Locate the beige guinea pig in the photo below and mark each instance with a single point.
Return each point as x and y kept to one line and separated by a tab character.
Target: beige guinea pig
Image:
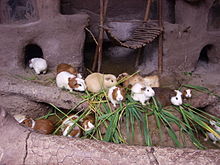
152	81
67	68
95	82
133	80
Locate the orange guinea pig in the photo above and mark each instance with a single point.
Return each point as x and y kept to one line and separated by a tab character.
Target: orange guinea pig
43	126
67	68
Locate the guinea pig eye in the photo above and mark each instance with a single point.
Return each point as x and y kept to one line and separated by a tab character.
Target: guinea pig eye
112	80
80	85
176	98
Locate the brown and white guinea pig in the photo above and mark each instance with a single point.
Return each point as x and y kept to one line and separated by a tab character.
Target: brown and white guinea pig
187	94
116	94
69	129
167	96
39	65
70	82
96	82
88	123
68	68
43	126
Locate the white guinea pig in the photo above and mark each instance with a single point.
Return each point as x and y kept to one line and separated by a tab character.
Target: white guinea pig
216	126
177	100
96	82
141	93
39	65
70	82
116	95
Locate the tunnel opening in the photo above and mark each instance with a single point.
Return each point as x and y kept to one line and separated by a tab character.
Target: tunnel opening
32	51
203	57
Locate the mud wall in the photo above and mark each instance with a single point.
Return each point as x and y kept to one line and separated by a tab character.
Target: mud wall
188	28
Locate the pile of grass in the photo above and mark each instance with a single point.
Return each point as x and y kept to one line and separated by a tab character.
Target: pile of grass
193	122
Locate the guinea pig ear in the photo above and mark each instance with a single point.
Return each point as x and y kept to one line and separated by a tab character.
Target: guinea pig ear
143	89
107	78
72	82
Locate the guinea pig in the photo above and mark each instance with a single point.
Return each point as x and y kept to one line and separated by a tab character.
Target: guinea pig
88	123
68	68
68	129
187	93
70	82
167	96
39	65
216	126
133	80
152	81
141	93
116	95
43	126
96	82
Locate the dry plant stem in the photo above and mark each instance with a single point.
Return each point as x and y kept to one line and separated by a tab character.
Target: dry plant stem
146	17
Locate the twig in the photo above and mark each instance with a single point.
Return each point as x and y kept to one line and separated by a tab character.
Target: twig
93	37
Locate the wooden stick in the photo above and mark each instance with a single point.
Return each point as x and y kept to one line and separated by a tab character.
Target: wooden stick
98	52
160	46
146	17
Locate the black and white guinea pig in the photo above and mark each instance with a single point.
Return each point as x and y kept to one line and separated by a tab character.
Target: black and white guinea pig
167	96
39	65
116	94
70	82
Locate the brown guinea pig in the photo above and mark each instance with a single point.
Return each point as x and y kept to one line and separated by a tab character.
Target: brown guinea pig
67	68
43	126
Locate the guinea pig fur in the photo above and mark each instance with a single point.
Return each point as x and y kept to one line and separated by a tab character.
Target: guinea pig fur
187	93
39	65
96	82
177	100
43	126
167	96
116	95
216	128
88	122
141	93
133	80
152	81
68	129
68	68
70	82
